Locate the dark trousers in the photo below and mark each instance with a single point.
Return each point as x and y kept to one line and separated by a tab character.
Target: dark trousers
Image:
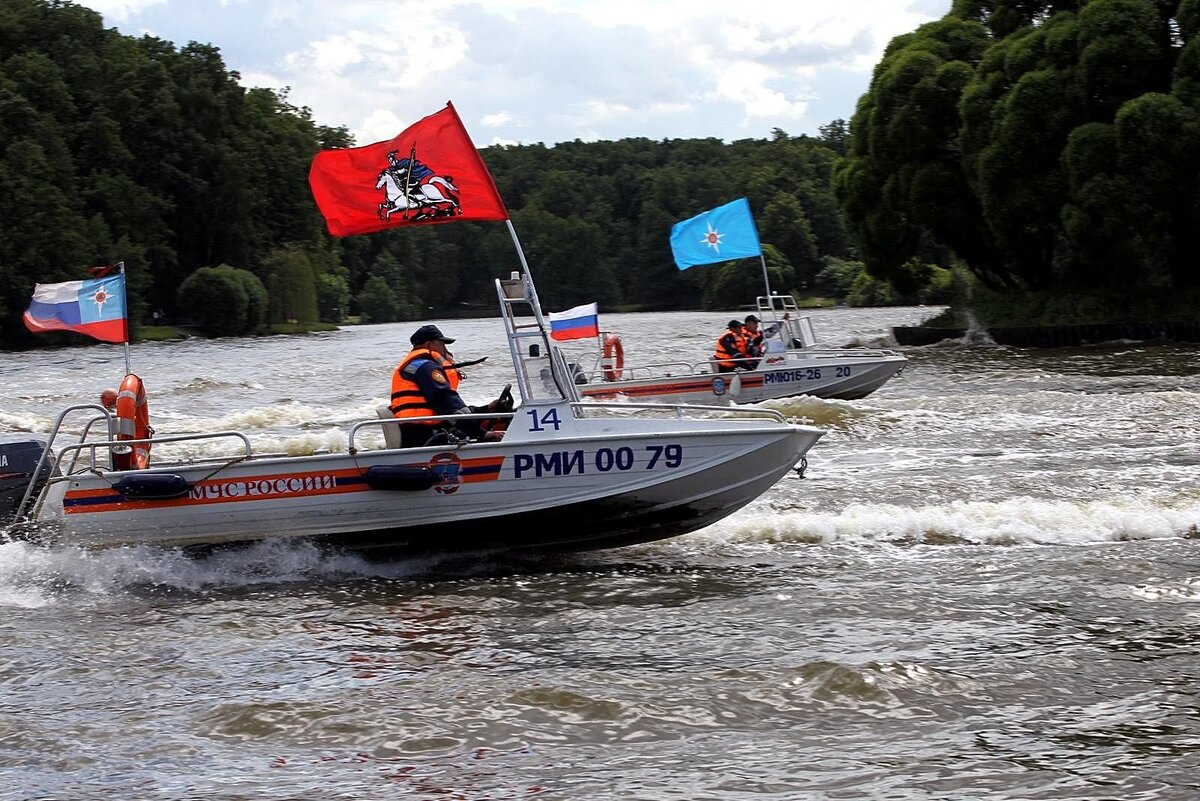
414	435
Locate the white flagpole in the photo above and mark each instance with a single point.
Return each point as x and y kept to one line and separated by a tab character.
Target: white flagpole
762	258
125	306
536	305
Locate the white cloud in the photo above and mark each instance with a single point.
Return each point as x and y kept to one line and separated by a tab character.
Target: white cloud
117	11
547	70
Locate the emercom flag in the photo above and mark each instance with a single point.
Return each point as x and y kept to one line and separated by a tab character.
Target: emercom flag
577	323
94	307
722	234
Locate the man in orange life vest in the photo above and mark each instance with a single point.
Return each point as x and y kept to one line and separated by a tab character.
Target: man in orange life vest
755	346
426	383
731	352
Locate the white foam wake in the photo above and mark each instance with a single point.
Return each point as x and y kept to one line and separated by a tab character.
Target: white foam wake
1014	521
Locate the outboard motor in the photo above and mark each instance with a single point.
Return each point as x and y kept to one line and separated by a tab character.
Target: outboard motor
19	456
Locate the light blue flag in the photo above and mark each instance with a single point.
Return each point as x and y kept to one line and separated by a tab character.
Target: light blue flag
725	233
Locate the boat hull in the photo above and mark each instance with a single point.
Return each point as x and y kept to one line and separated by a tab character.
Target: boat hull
574	493
618	520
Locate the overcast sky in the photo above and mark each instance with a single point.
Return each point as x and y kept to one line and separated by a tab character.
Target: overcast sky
550	71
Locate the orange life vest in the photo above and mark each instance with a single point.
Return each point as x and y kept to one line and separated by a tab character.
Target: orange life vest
724	357
407	398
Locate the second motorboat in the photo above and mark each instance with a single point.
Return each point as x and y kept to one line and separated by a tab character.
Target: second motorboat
793	364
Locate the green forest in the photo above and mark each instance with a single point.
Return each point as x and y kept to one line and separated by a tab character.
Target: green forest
1041	151
1052	147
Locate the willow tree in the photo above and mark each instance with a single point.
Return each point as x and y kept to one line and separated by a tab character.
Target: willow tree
1047	144
291	282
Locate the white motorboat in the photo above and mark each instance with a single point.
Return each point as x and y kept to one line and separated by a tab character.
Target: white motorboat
793	364
568	475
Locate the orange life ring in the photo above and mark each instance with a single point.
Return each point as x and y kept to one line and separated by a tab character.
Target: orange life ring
614	357
133	422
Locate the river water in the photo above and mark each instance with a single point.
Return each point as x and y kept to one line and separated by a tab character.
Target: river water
986	586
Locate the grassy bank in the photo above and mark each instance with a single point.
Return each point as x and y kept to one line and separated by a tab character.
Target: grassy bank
159	333
163	333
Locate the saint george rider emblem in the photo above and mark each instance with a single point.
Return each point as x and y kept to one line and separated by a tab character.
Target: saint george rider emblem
414	190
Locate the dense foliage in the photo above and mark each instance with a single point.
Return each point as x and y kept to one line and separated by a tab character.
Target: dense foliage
119	148
225	301
1052	146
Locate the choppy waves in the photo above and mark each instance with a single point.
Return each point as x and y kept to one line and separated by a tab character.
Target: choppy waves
32	576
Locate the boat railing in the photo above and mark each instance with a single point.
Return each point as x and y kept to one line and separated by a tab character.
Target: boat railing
107	419
788	330
633	372
93	456
585	408
382	423
839	353
679	411
597	377
47	452
95	461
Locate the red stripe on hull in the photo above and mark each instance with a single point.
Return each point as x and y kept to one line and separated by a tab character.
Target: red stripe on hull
258	488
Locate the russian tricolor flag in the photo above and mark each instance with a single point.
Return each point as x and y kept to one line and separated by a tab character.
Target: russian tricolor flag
94	307
577	323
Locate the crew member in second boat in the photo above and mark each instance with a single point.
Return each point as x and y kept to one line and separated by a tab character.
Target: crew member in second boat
425	383
731	352
755	346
